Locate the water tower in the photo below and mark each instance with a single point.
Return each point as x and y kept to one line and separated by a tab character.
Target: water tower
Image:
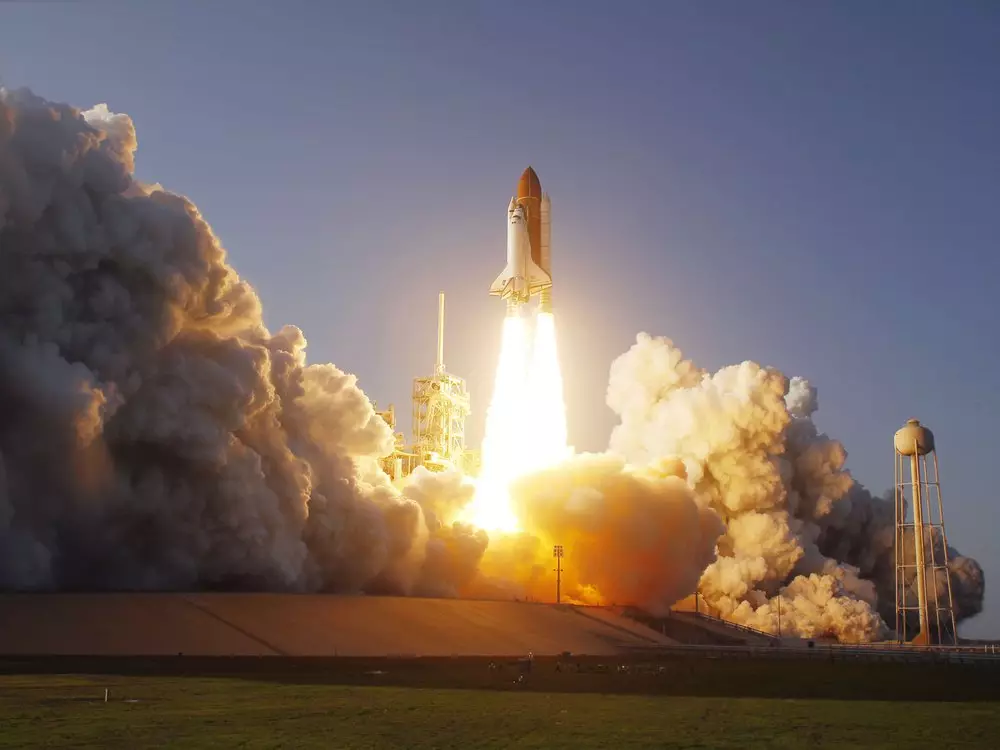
925	613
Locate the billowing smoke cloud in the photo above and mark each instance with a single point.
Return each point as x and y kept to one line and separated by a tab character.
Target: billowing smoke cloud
801	535
454	549
630	536
154	434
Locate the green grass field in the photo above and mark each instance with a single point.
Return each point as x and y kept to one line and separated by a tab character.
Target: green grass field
143	711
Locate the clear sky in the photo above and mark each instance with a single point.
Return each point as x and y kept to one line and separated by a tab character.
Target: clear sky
814	186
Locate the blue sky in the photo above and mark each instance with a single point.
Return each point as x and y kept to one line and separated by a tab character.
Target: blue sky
811	186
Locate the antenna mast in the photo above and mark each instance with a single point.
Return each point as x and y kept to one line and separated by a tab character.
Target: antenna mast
439	366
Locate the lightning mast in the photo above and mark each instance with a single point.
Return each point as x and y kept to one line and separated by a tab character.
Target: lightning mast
440	409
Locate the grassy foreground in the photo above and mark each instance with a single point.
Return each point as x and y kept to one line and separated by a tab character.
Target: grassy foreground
69	711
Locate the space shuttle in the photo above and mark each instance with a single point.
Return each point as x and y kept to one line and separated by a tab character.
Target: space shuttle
529	261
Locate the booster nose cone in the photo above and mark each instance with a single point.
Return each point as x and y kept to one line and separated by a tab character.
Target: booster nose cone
529	186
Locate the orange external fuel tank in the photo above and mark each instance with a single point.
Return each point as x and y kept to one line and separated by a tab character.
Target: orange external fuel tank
529	195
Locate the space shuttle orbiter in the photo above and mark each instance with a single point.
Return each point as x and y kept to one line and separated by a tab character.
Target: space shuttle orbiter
529	268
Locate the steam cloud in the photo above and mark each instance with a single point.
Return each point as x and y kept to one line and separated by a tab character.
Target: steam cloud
155	435
800	533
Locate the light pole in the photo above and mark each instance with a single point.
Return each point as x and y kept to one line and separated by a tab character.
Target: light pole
557	553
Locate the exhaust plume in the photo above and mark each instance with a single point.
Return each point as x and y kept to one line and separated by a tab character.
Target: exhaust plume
630	536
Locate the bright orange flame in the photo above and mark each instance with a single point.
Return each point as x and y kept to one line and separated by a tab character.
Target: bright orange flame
525	423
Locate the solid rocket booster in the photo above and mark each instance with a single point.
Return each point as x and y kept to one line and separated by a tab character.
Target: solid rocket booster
529	260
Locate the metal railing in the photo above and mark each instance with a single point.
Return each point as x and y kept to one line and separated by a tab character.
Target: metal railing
682	616
730	624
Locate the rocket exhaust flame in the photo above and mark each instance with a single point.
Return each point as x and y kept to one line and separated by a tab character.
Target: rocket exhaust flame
546	429
525	423
503	445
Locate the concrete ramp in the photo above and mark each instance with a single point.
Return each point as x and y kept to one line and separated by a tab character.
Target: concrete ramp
308	625
115	625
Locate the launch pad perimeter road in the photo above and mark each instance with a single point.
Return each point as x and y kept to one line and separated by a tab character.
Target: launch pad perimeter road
141	712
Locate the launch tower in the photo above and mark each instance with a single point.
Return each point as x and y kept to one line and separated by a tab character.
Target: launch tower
440	409
923	582
400	462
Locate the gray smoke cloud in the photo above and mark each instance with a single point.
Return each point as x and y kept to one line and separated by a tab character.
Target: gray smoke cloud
154	434
801	534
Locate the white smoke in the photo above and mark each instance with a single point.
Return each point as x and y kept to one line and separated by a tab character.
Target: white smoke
801	535
454	549
155	434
